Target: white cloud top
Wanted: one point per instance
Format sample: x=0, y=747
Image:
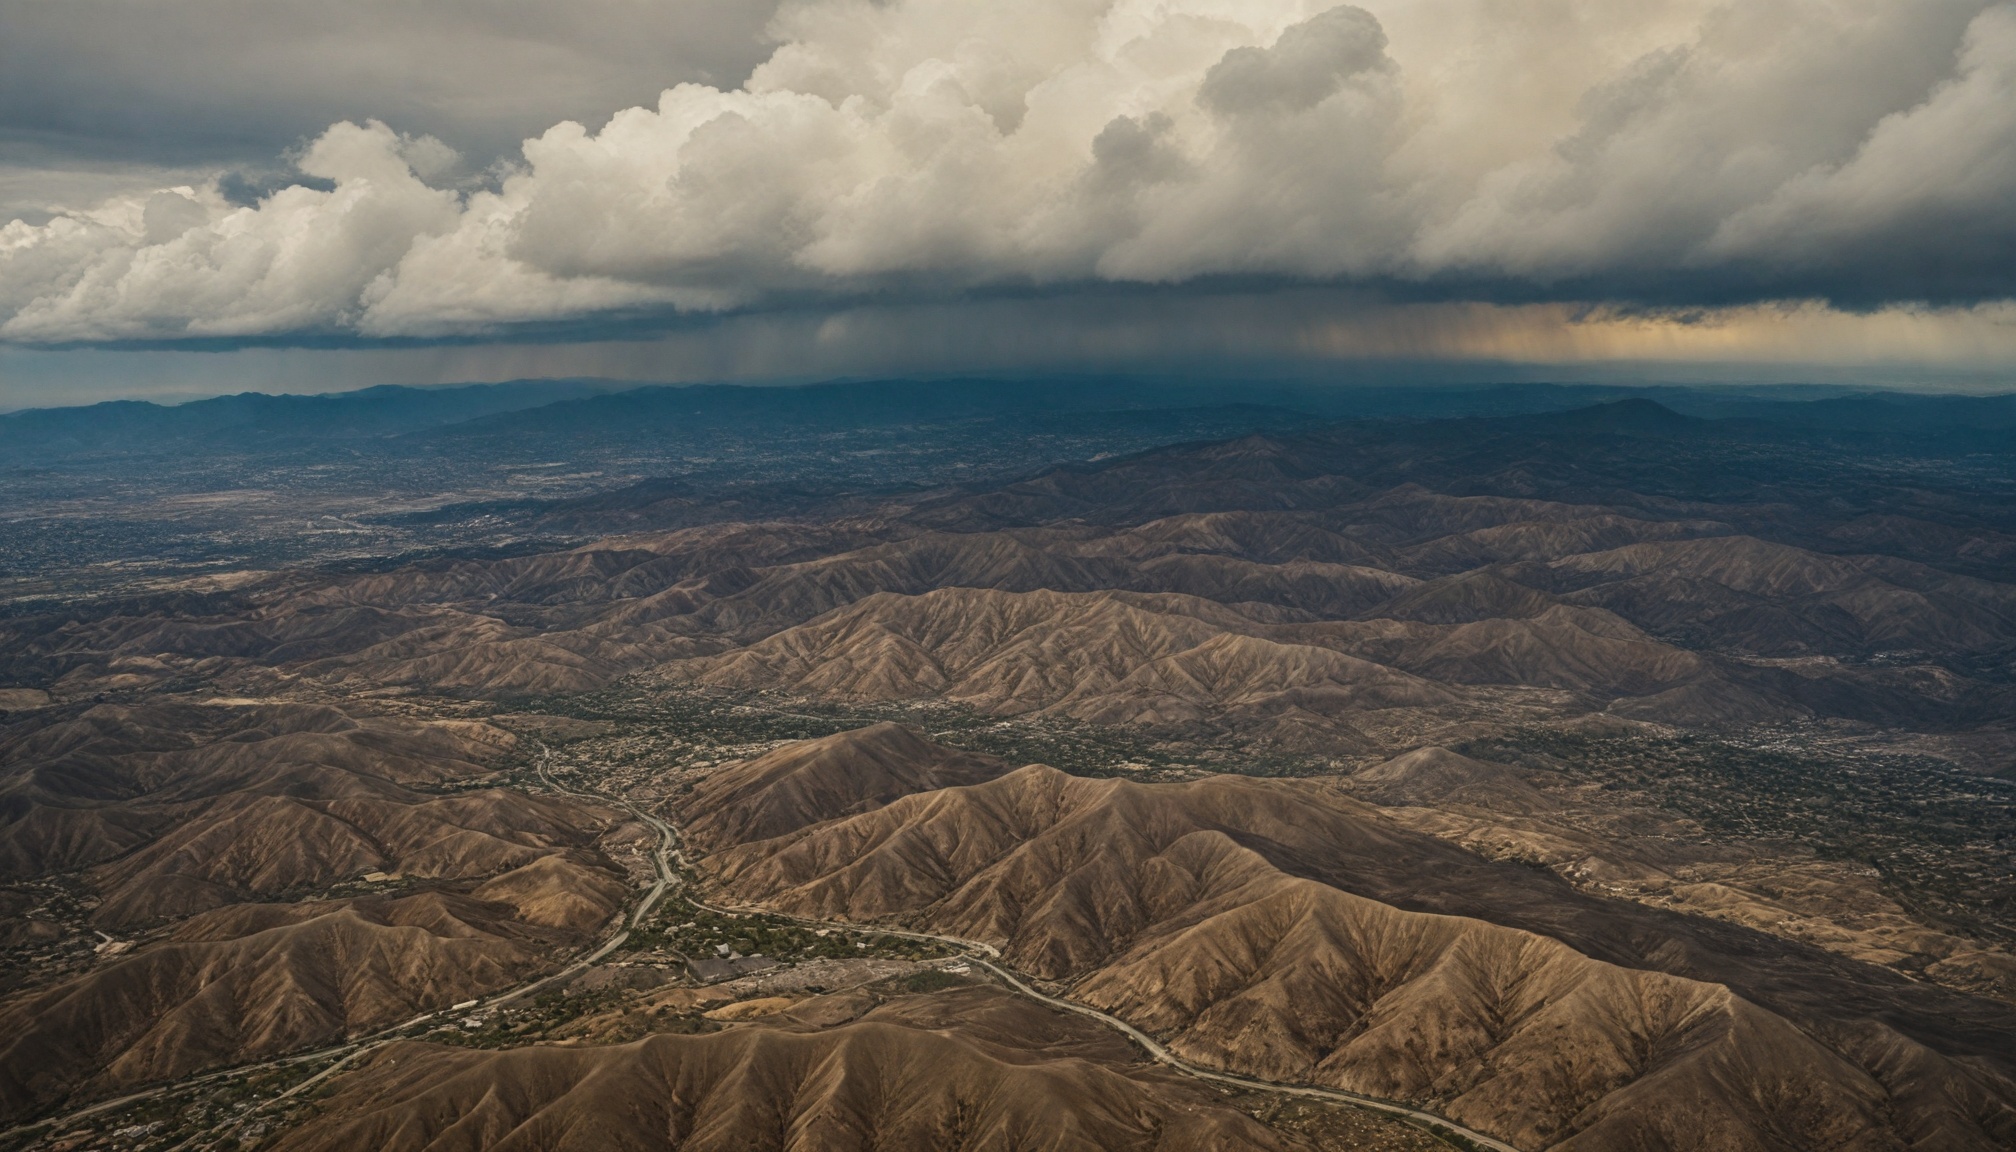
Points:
x=1666, y=151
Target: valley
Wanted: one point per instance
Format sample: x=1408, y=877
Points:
x=1592, y=780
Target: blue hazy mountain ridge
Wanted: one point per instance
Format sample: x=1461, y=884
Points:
x=1533, y=593
x=577, y=406
x=406, y=472
x=131, y=425
x=1886, y=410
x=1712, y=533
x=1822, y=490
x=1888, y=472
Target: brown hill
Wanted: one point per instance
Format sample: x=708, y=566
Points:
x=259, y=980
x=977, y=1071
x=810, y=781
x=1144, y=898
x=1357, y=525
x=176, y=811
x=1559, y=646
x=1319, y=589
x=1111, y=657
x=66, y=802
x=1355, y=589
x=1466, y=598
x=1165, y=659
x=1265, y=537
x=1546, y=540
x=1758, y=596
x=1435, y=776
x=180, y=809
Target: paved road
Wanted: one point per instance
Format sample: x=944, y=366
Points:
x=987, y=956
x=149, y=1094
x=1164, y=1056
x=351, y=1050
x=666, y=843
x=668, y=850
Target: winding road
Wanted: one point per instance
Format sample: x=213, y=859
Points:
x=345, y=1053
x=663, y=858
x=988, y=956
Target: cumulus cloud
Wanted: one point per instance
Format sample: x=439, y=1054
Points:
x=235, y=81
x=1926, y=200
x=1672, y=151
x=1302, y=69
x=184, y=261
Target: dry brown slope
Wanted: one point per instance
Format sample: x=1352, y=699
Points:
x=1753, y=594
x=814, y=780
x=576, y=620
x=1104, y=656
x=1432, y=776
x=80, y=790
x=896, y=1079
x=1263, y=537
x=1546, y=540
x=253, y=844
x=176, y=809
x=1145, y=896
x=253, y=981
x=1121, y=657
x=1557, y=646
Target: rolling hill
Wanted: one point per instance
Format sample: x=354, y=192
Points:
x=1265, y=928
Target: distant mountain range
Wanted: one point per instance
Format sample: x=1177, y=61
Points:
x=391, y=410
x=854, y=766
x=567, y=410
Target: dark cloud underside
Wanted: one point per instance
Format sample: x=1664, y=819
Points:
x=1664, y=154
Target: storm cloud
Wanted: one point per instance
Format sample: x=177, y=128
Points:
x=1661, y=153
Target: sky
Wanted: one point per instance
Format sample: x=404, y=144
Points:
x=218, y=195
